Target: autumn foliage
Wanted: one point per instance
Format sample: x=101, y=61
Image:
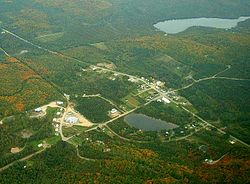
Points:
x=12, y=59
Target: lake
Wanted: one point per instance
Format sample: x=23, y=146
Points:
x=179, y=25
x=147, y=123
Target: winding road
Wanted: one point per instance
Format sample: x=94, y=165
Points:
x=161, y=94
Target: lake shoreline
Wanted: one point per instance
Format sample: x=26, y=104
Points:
x=175, y=26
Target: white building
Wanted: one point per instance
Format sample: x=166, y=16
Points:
x=39, y=109
x=71, y=120
x=165, y=100
x=232, y=142
x=59, y=103
x=113, y=111
x=158, y=83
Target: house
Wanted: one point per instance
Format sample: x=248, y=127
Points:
x=159, y=100
x=106, y=150
x=158, y=83
x=39, y=109
x=232, y=142
x=59, y=103
x=113, y=111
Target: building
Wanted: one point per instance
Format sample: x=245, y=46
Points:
x=158, y=83
x=113, y=111
x=39, y=109
x=106, y=150
x=232, y=142
x=165, y=100
x=59, y=103
x=71, y=120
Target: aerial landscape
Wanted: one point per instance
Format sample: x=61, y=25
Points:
x=124, y=91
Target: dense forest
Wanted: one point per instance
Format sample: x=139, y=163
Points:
x=104, y=54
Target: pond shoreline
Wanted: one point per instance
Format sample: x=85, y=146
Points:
x=146, y=123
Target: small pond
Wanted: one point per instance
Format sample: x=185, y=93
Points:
x=147, y=123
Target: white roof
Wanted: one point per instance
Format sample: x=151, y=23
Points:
x=71, y=119
x=59, y=102
x=165, y=100
x=39, y=109
x=113, y=111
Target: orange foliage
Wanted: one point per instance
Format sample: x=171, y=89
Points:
x=44, y=96
x=206, y=172
x=168, y=179
x=150, y=182
x=12, y=59
x=186, y=169
x=11, y=99
x=27, y=74
x=147, y=153
x=20, y=106
x=2, y=66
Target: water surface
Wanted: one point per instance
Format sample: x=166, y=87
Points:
x=179, y=25
x=147, y=123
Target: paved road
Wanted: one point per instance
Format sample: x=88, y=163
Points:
x=4, y=52
x=128, y=75
x=216, y=161
x=124, y=138
x=84, y=158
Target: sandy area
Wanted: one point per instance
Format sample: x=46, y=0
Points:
x=51, y=104
x=15, y=150
x=82, y=120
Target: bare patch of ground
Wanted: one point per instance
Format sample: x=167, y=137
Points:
x=109, y=66
x=100, y=45
x=82, y=120
x=26, y=134
x=15, y=150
